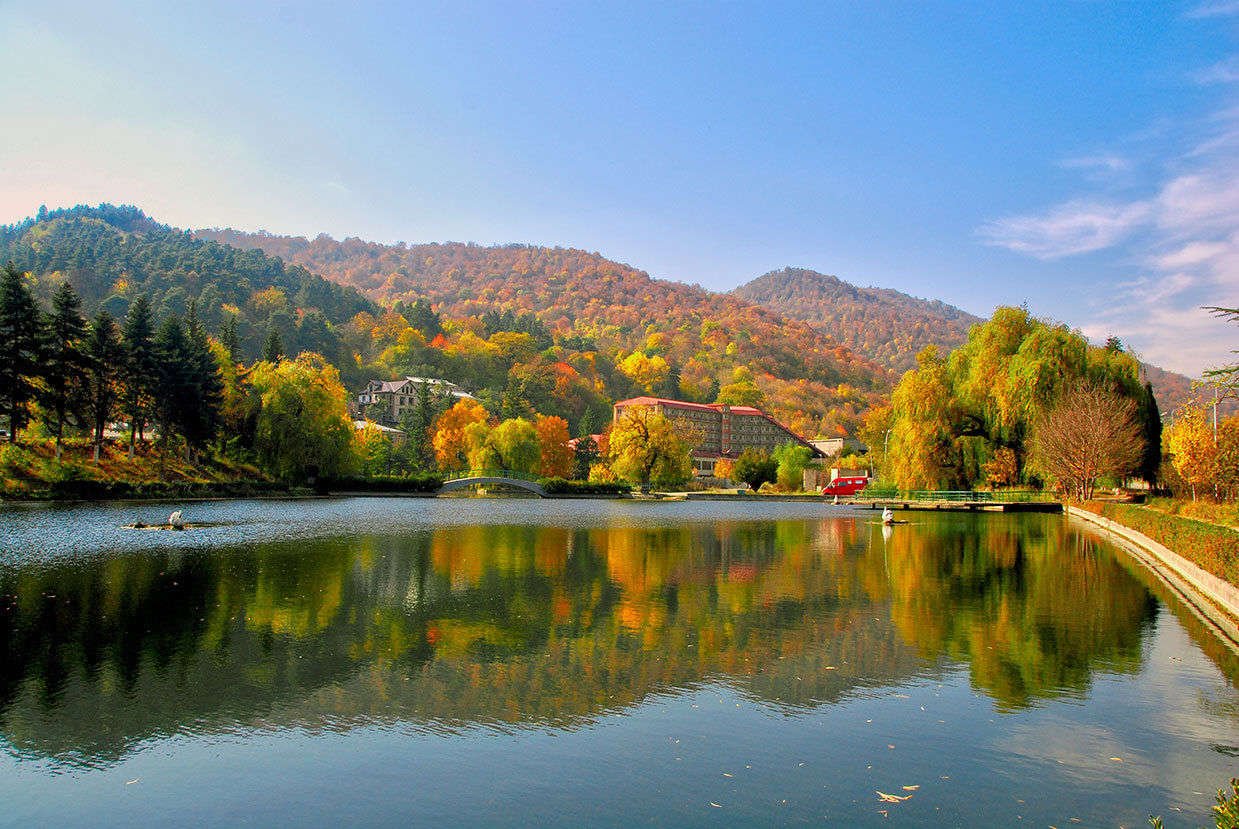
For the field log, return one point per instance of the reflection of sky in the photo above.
(1155, 723)
(30, 533)
(707, 756)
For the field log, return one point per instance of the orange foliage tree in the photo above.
(451, 444)
(553, 443)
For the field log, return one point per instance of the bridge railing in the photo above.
(491, 473)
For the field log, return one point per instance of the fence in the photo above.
(954, 496)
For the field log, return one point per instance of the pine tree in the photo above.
(273, 348)
(21, 334)
(139, 370)
(106, 356)
(176, 390)
(190, 390)
(229, 337)
(1151, 420)
(203, 421)
(63, 396)
(586, 453)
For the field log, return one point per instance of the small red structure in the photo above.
(846, 485)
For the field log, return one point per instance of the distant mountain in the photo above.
(821, 351)
(885, 325)
(112, 254)
(807, 375)
(891, 327)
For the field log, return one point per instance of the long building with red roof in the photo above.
(717, 430)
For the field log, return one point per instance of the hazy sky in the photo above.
(1082, 158)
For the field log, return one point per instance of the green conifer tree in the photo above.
(202, 422)
(229, 337)
(1151, 420)
(21, 334)
(63, 395)
(139, 370)
(176, 390)
(273, 348)
(106, 356)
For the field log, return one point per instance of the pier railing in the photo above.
(954, 495)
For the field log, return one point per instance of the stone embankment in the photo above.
(1212, 598)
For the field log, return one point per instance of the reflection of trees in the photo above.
(518, 624)
(1032, 606)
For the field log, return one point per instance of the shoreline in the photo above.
(1209, 597)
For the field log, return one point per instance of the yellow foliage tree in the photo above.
(647, 372)
(1003, 468)
(742, 390)
(924, 414)
(644, 449)
(451, 445)
(1190, 441)
(303, 426)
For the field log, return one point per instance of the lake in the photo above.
(502, 662)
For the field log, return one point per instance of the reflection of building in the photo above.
(716, 430)
(392, 397)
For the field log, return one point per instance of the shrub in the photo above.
(559, 486)
(428, 482)
(1213, 548)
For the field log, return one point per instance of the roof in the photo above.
(397, 386)
(387, 430)
(684, 404)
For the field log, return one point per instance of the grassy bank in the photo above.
(1211, 547)
(32, 471)
(1226, 515)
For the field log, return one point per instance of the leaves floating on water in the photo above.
(892, 798)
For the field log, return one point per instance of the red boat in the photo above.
(846, 485)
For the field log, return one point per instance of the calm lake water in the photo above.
(381, 661)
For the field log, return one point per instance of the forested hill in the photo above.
(112, 254)
(883, 324)
(892, 327)
(703, 335)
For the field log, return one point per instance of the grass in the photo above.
(1222, 514)
(1211, 547)
(31, 470)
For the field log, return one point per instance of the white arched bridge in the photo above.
(492, 477)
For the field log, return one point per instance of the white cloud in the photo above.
(1225, 71)
(1069, 229)
(1215, 8)
(1182, 240)
(1104, 163)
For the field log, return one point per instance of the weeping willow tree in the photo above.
(968, 419)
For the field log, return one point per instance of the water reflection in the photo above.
(512, 626)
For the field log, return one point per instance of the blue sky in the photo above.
(1082, 158)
